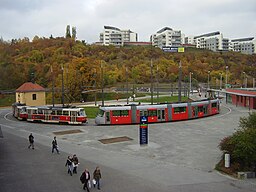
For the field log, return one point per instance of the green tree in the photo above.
(68, 35)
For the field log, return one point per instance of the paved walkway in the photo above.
(180, 156)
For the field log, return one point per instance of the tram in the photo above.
(50, 114)
(19, 111)
(131, 114)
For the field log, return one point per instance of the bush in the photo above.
(242, 144)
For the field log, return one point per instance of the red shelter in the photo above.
(241, 97)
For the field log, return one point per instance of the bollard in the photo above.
(227, 160)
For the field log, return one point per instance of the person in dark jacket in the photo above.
(55, 145)
(75, 163)
(97, 177)
(31, 141)
(69, 164)
(85, 178)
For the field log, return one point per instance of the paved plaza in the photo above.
(180, 156)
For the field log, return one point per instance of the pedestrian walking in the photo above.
(96, 177)
(31, 141)
(75, 163)
(69, 164)
(55, 145)
(85, 179)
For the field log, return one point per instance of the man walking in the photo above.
(55, 145)
(31, 141)
(85, 179)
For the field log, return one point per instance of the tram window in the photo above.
(34, 111)
(107, 116)
(124, 113)
(101, 113)
(40, 111)
(116, 113)
(214, 105)
(59, 112)
(81, 113)
(66, 113)
(200, 109)
(152, 113)
(179, 109)
(53, 112)
(120, 113)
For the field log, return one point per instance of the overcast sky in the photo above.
(27, 18)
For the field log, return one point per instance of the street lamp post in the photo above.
(209, 79)
(226, 76)
(127, 96)
(220, 81)
(62, 87)
(244, 79)
(102, 84)
(180, 76)
(190, 82)
(253, 83)
(52, 86)
(151, 77)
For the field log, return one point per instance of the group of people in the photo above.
(85, 179)
(72, 164)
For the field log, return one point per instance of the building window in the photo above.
(34, 97)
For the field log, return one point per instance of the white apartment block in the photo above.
(212, 41)
(244, 45)
(190, 40)
(117, 37)
(166, 37)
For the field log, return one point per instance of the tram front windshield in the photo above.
(101, 113)
(81, 112)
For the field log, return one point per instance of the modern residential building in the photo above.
(166, 37)
(190, 40)
(243, 45)
(117, 37)
(212, 41)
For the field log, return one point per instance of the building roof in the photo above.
(243, 39)
(112, 28)
(208, 34)
(164, 29)
(30, 87)
(241, 92)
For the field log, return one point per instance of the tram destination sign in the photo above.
(143, 130)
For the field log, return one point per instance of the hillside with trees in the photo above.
(43, 59)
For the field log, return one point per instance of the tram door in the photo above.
(160, 115)
(195, 111)
(47, 115)
(107, 117)
(73, 116)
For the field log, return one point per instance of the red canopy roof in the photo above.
(30, 87)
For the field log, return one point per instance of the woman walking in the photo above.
(97, 177)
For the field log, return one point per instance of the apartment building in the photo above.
(243, 45)
(212, 41)
(116, 36)
(166, 37)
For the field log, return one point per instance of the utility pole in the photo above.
(180, 76)
(157, 85)
(102, 84)
(226, 77)
(151, 86)
(52, 86)
(62, 83)
(127, 95)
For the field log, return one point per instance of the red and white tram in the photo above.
(157, 113)
(50, 114)
(19, 111)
